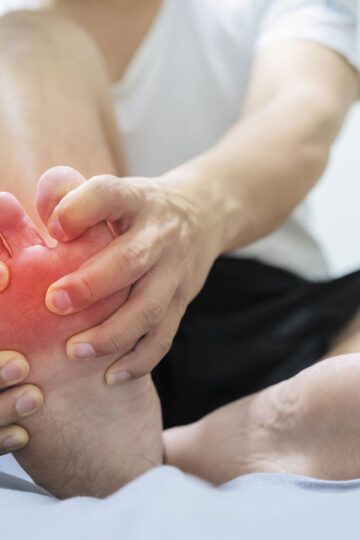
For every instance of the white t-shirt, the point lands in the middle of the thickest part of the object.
(186, 85)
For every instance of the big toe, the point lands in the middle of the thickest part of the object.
(52, 187)
(16, 228)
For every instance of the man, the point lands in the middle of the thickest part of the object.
(218, 202)
(89, 439)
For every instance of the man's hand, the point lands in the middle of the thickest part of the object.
(18, 402)
(164, 249)
(171, 229)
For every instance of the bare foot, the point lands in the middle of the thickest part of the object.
(307, 425)
(88, 439)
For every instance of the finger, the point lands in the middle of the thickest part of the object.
(149, 350)
(123, 262)
(19, 402)
(13, 368)
(16, 227)
(144, 309)
(4, 276)
(102, 198)
(52, 186)
(12, 438)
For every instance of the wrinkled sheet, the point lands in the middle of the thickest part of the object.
(166, 504)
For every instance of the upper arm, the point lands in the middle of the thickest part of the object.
(303, 70)
(306, 52)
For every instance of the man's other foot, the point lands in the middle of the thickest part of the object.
(309, 425)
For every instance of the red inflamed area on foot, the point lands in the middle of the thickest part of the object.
(27, 325)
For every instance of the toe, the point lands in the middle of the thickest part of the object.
(16, 228)
(53, 185)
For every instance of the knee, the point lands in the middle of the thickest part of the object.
(46, 38)
(37, 27)
(17, 27)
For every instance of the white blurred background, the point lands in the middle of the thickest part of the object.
(335, 201)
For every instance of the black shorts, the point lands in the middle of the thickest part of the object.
(251, 326)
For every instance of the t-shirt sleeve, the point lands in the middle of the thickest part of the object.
(332, 23)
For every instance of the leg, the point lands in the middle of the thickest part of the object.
(88, 438)
(306, 425)
(54, 104)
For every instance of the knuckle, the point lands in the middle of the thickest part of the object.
(103, 184)
(102, 180)
(120, 343)
(115, 343)
(98, 184)
(86, 289)
(134, 255)
(153, 313)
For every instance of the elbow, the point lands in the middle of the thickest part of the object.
(322, 122)
(308, 149)
(312, 159)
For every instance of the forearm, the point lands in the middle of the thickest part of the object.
(50, 104)
(250, 182)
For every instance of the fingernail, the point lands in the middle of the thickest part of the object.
(60, 300)
(82, 351)
(56, 230)
(118, 378)
(13, 372)
(13, 443)
(28, 404)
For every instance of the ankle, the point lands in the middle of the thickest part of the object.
(112, 436)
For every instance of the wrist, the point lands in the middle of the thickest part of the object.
(194, 189)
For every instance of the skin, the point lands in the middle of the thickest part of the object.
(307, 425)
(89, 430)
(315, 95)
(99, 440)
(171, 229)
(78, 107)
